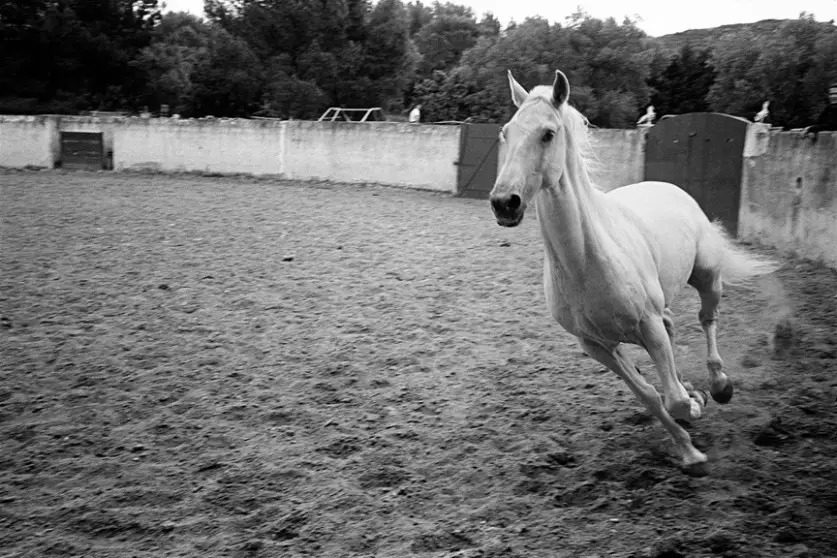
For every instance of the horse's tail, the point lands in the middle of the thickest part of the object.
(740, 266)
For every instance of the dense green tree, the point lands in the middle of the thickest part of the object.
(790, 68)
(225, 78)
(823, 72)
(607, 63)
(684, 84)
(272, 27)
(390, 61)
(178, 43)
(489, 26)
(420, 15)
(356, 23)
(288, 96)
(343, 53)
(441, 41)
(65, 55)
(294, 58)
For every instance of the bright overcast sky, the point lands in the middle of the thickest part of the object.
(658, 18)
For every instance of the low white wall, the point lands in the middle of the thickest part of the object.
(411, 155)
(203, 145)
(789, 193)
(416, 156)
(26, 141)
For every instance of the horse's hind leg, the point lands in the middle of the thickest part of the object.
(693, 460)
(668, 322)
(709, 287)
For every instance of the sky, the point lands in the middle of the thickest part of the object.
(657, 17)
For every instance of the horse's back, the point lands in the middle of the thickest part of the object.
(674, 221)
(664, 208)
(654, 200)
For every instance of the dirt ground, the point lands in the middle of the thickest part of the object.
(197, 366)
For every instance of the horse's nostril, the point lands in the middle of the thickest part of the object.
(506, 203)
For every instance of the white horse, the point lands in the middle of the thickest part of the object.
(615, 261)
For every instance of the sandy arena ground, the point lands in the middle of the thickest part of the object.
(237, 367)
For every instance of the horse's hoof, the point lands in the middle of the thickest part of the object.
(723, 394)
(699, 469)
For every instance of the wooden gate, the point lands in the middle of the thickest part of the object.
(702, 153)
(478, 148)
(82, 150)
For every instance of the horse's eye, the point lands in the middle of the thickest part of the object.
(547, 136)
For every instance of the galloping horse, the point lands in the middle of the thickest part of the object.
(615, 261)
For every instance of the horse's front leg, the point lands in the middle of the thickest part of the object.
(615, 359)
(656, 336)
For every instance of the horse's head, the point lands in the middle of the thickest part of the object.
(536, 145)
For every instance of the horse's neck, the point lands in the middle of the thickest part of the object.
(574, 224)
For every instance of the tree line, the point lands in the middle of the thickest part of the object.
(295, 58)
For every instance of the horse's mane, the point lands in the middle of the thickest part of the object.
(579, 130)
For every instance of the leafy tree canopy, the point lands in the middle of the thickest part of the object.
(295, 58)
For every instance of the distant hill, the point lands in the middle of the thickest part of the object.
(701, 39)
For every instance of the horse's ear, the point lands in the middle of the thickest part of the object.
(560, 89)
(517, 92)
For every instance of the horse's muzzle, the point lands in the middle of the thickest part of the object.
(508, 209)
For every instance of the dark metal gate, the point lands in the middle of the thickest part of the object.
(82, 150)
(702, 153)
(478, 148)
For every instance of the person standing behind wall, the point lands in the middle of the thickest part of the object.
(828, 117)
(415, 115)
